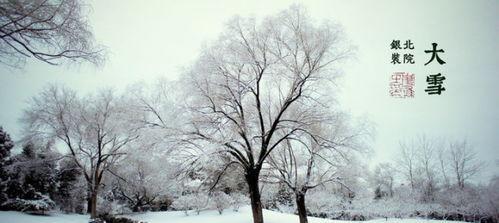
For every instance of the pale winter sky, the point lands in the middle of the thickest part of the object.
(147, 39)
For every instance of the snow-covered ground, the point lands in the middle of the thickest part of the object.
(18, 217)
(229, 216)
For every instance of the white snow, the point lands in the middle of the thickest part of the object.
(19, 217)
(229, 216)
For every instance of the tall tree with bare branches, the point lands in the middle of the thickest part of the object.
(407, 161)
(245, 86)
(463, 162)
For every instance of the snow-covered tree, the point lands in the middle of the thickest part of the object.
(143, 176)
(315, 158)
(383, 179)
(419, 162)
(463, 162)
(94, 130)
(192, 201)
(71, 188)
(407, 161)
(243, 88)
(38, 163)
(6, 144)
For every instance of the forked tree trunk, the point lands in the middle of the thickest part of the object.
(254, 190)
(300, 204)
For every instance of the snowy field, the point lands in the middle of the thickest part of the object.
(243, 216)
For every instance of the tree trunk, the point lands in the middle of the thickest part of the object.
(95, 191)
(89, 200)
(300, 204)
(254, 190)
(93, 213)
(136, 207)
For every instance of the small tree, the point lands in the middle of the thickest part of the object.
(193, 201)
(383, 179)
(221, 201)
(184, 203)
(238, 200)
(315, 158)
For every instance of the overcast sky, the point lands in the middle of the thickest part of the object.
(147, 39)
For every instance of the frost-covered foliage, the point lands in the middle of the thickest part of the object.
(218, 201)
(184, 203)
(278, 197)
(238, 200)
(36, 167)
(39, 204)
(114, 207)
(32, 179)
(462, 201)
(221, 201)
(322, 203)
(194, 201)
(37, 180)
(489, 199)
(71, 188)
(454, 204)
(6, 144)
(144, 177)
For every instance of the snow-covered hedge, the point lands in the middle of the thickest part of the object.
(219, 201)
(39, 206)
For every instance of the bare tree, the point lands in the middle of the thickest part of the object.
(427, 149)
(315, 158)
(94, 129)
(442, 159)
(463, 162)
(419, 162)
(48, 30)
(244, 86)
(407, 161)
